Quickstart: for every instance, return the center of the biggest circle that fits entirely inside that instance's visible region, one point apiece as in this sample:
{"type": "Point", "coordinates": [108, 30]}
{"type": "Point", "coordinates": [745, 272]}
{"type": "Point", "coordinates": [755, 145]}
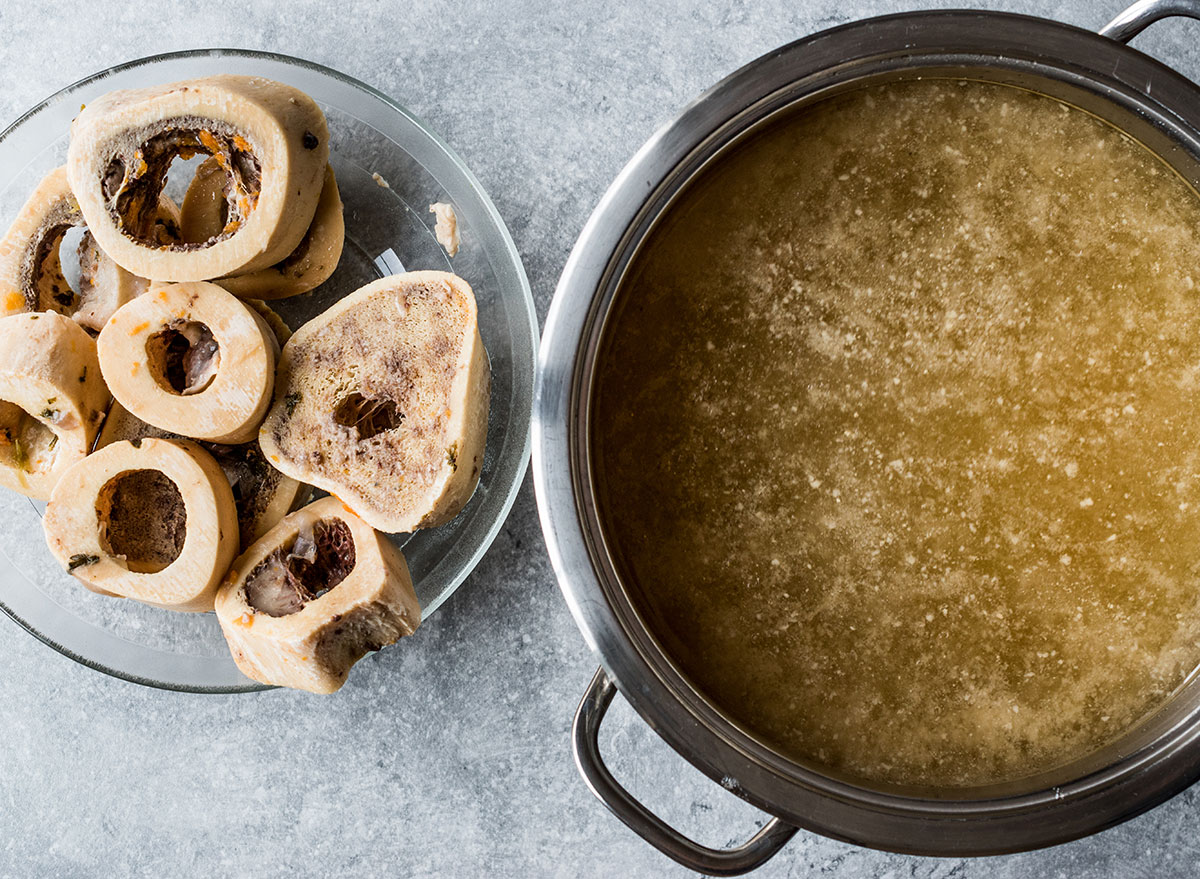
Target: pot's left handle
{"type": "Point", "coordinates": [748, 856]}
{"type": "Point", "coordinates": [1144, 13]}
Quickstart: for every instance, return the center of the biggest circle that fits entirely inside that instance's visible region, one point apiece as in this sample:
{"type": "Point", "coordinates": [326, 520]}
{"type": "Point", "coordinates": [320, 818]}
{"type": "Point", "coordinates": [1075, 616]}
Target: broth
{"type": "Point", "coordinates": [895, 433]}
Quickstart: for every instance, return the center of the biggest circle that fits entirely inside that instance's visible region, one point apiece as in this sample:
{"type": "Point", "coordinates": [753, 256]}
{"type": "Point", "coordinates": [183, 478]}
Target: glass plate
{"type": "Point", "coordinates": [389, 169]}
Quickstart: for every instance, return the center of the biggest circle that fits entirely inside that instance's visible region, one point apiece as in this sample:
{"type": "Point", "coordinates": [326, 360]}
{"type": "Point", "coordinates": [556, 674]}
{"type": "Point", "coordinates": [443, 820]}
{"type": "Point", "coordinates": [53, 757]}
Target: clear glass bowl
{"type": "Point", "coordinates": [389, 169]}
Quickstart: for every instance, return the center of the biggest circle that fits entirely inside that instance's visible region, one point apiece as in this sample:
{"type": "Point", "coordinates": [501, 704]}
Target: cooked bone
{"type": "Point", "coordinates": [191, 359]}
{"type": "Point", "coordinates": [269, 139]}
{"type": "Point", "coordinates": [52, 399]}
{"type": "Point", "coordinates": [31, 272]}
{"type": "Point", "coordinates": [383, 401]}
{"type": "Point", "coordinates": [313, 596]}
{"type": "Point", "coordinates": [446, 227]}
{"type": "Point", "coordinates": [281, 330]}
{"type": "Point", "coordinates": [153, 521]}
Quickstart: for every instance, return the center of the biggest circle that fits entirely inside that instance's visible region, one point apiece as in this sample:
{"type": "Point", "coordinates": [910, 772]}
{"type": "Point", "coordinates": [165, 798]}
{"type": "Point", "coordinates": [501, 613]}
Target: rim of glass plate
{"type": "Point", "coordinates": [492, 213]}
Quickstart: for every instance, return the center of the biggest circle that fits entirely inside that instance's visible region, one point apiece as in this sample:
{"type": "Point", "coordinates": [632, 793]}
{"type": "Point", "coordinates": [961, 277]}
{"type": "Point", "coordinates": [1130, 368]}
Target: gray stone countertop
{"type": "Point", "coordinates": [448, 755]}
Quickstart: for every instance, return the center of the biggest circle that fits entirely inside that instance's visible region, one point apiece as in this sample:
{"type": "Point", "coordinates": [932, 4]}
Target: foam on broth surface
{"type": "Point", "coordinates": [897, 433]}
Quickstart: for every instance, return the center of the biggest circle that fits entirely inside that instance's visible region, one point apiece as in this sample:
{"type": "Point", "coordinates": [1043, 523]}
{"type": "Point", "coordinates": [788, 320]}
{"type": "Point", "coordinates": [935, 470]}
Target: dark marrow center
{"type": "Point", "coordinates": [183, 357]}
{"type": "Point", "coordinates": [142, 518]}
{"type": "Point", "coordinates": [43, 283]}
{"type": "Point", "coordinates": [367, 416]}
{"type": "Point", "coordinates": [89, 255]}
{"type": "Point", "coordinates": [302, 570]}
{"type": "Point", "coordinates": [134, 180]}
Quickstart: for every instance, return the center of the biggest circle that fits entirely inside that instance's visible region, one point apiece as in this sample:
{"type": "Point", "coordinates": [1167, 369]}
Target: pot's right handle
{"type": "Point", "coordinates": [1144, 13]}
{"type": "Point", "coordinates": [713, 862]}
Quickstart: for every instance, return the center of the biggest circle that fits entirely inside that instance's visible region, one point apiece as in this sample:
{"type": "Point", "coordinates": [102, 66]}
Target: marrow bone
{"type": "Point", "coordinates": [317, 593]}
{"type": "Point", "coordinates": [383, 401]}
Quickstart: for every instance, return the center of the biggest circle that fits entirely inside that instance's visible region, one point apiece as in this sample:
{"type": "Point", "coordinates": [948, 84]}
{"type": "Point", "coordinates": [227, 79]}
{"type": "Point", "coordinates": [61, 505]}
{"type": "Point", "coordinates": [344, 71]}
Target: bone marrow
{"type": "Point", "coordinates": [31, 270]}
{"type": "Point", "coordinates": [130, 188]}
{"type": "Point", "coordinates": [183, 356]}
{"type": "Point", "coordinates": [319, 558]}
{"type": "Point", "coordinates": [190, 359]}
{"type": "Point", "coordinates": [142, 519]}
{"type": "Point", "coordinates": [269, 142]}
{"type": "Point", "coordinates": [153, 521]}
{"type": "Point", "coordinates": [313, 596]}
{"type": "Point", "coordinates": [366, 417]}
{"type": "Point", "coordinates": [261, 494]}
{"type": "Point", "coordinates": [205, 214]}
{"type": "Point", "coordinates": [52, 399]}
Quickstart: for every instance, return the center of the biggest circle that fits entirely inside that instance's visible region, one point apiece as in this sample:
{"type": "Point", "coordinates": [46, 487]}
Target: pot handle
{"type": "Point", "coordinates": [1144, 13]}
{"type": "Point", "coordinates": [714, 862]}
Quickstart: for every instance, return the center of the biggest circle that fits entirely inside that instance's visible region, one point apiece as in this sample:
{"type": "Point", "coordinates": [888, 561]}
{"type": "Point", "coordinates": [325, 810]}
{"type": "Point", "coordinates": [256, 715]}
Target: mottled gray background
{"type": "Point", "coordinates": [447, 756]}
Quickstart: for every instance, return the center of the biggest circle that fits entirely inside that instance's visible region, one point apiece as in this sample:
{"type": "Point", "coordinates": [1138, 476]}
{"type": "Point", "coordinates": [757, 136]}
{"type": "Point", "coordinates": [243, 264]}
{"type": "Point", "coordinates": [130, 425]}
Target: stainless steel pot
{"type": "Point", "coordinates": [1096, 72]}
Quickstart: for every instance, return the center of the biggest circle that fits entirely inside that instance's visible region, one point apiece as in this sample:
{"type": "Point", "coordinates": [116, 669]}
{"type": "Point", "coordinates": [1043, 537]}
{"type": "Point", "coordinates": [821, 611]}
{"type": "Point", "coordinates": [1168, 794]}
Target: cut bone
{"type": "Point", "coordinates": [204, 215]}
{"type": "Point", "coordinates": [270, 139]}
{"type": "Point", "coordinates": [52, 399]}
{"type": "Point", "coordinates": [100, 504]}
{"type": "Point", "coordinates": [298, 623]}
{"type": "Point", "coordinates": [191, 359]}
{"type": "Point", "coordinates": [403, 444]}
{"type": "Point", "coordinates": [31, 273]}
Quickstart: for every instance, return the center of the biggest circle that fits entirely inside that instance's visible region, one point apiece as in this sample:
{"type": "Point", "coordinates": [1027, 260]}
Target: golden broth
{"type": "Point", "coordinates": [896, 433]}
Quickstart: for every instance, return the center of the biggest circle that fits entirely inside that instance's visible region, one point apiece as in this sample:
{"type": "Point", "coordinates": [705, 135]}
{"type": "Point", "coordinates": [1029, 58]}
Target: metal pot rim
{"type": "Point", "coordinates": [937, 40]}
